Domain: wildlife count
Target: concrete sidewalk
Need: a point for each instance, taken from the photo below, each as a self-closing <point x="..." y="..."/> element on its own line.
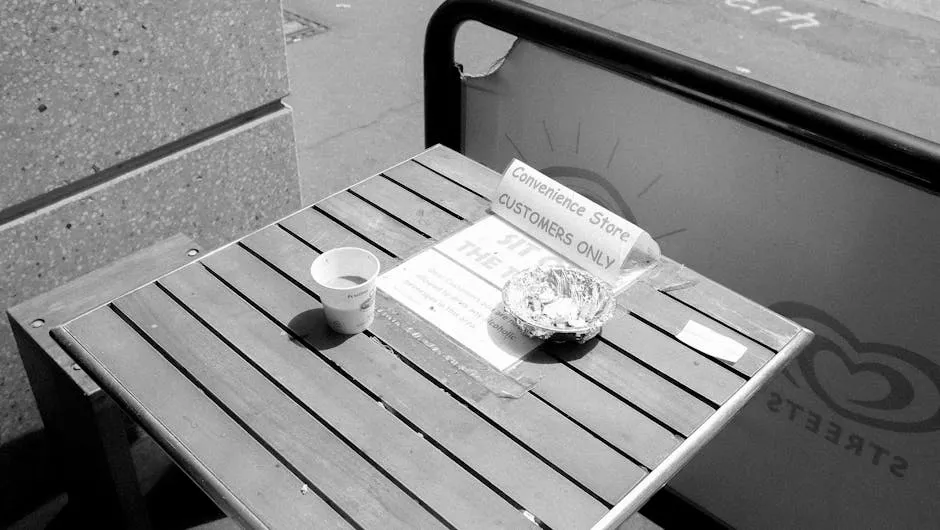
<point x="357" y="88"/>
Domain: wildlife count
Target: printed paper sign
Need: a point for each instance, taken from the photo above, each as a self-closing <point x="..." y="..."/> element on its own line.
<point x="460" y="303"/>
<point x="456" y="286"/>
<point x="495" y="250"/>
<point x="574" y="226"/>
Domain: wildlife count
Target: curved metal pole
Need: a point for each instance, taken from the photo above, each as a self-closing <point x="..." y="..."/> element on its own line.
<point x="900" y="155"/>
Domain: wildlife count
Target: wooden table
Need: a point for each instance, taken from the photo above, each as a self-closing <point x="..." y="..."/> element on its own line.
<point x="228" y="363"/>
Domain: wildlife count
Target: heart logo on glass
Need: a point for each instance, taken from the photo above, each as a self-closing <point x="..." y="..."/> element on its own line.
<point x="876" y="384"/>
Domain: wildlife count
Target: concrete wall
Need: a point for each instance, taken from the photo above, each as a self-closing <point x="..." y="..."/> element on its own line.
<point x="121" y="123"/>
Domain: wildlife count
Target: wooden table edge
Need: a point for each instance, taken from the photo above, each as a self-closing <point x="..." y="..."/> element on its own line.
<point x="658" y="477"/>
<point x="192" y="466"/>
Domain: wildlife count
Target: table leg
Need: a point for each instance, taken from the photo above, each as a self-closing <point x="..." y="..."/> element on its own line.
<point x="88" y="440"/>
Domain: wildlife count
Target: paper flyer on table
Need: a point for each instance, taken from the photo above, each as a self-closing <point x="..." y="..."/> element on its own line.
<point x="460" y="303"/>
<point x="456" y="284"/>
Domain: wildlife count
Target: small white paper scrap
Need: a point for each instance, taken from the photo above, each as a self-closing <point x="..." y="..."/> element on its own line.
<point x="711" y="342"/>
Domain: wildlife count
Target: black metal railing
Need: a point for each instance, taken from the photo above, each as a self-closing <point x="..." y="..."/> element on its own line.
<point x="895" y="153"/>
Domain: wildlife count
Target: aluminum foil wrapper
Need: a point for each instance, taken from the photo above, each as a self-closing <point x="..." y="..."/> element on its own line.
<point x="558" y="303"/>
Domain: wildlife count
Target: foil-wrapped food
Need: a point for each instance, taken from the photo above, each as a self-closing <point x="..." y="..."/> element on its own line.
<point x="558" y="303"/>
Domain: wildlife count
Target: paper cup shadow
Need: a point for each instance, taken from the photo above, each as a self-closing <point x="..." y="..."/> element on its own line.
<point x="312" y="327"/>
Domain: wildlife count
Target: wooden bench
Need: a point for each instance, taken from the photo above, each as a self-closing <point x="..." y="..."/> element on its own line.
<point x="86" y="429"/>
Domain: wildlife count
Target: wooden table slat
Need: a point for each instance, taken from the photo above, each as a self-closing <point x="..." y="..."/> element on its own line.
<point x="478" y="444"/>
<point x="324" y="233"/>
<point x="446" y="193"/>
<point x="671" y="316"/>
<point x="269" y="491"/>
<point x="672" y="358"/>
<point x="600" y="411"/>
<point x="638" y="385"/>
<point x="462" y="170"/>
<point x="596" y="465"/>
<point x="393" y="235"/>
<point x="534" y="422"/>
<point x="442" y="484"/>
<point x="362" y="493"/>
<point x="417" y="212"/>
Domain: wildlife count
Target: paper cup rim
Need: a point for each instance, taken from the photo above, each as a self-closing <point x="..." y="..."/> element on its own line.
<point x="375" y="261"/>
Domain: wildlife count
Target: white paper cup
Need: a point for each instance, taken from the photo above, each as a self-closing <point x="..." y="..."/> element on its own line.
<point x="346" y="280"/>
